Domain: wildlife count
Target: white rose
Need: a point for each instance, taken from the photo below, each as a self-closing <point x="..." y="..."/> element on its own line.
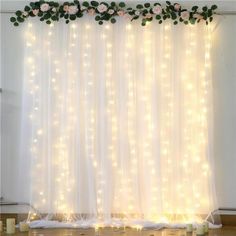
<point x="102" y="8"/>
<point x="25" y="13"/>
<point x="111" y="11"/>
<point x="157" y="10"/>
<point x="54" y="9"/>
<point x="72" y="10"/>
<point x="44" y="7"/>
<point x="185" y="15"/>
<point x="137" y="13"/>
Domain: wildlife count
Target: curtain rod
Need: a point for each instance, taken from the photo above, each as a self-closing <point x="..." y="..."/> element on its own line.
<point x="227" y="13"/>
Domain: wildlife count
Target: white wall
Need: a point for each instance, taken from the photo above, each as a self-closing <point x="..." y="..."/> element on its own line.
<point x="224" y="82"/>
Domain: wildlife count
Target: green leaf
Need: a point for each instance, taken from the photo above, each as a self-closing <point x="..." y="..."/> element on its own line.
<point x="121" y="4"/>
<point x="18" y="13"/>
<point x="67" y="21"/>
<point x="56" y="4"/>
<point x="16" y="24"/>
<point x="192" y="21"/>
<point x="168" y="3"/>
<point x="27" y="8"/>
<point x="79" y="14"/>
<point x="12" y="19"/>
<point x="147" y="5"/>
<point x="47" y="16"/>
<point x="85" y="4"/>
<point x="135" y="18"/>
<point x="100" y="22"/>
<point x="160" y="21"/>
<point x="175" y="22"/>
<point x="72" y="17"/>
<point x="113" y="4"/>
<point x="48" y="22"/>
<point x="32" y="4"/>
<point x="97" y="18"/>
<point x="40" y="14"/>
<point x="214" y="7"/>
<point x="173" y="16"/>
<point x="211" y="19"/>
<point x="113" y="20"/>
<point x="94" y="3"/>
<point x="204" y="8"/>
<point x="158" y="17"/>
<point x="139" y="6"/>
<point x="54" y="18"/>
<point x="20" y="19"/>
<point x="194" y="8"/>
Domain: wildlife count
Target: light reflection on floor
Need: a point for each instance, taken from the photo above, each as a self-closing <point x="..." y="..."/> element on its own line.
<point x="226" y="231"/>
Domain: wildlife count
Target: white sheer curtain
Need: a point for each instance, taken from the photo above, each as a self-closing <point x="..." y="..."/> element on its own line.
<point x="117" y="121"/>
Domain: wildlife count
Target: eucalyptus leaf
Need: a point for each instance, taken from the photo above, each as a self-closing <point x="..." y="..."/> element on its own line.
<point x="20" y="19"/>
<point x="18" y="13"/>
<point x="27" y="8"/>
<point x="194" y="8"/>
<point x="214" y="7"/>
<point x="139" y="6"/>
<point x="72" y="17"/>
<point x="85" y="4"/>
<point x="122" y="4"/>
<point x="94" y="3"/>
<point x="12" y="19"/>
<point x="113" y="20"/>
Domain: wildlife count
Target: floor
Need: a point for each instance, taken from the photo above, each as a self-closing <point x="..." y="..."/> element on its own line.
<point x="225" y="231"/>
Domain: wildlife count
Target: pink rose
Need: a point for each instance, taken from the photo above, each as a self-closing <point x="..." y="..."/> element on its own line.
<point x="157" y="10"/>
<point x="185" y="15"/>
<point x="197" y="16"/>
<point x="35" y="12"/>
<point x="44" y="7"/>
<point x="102" y="8"/>
<point x="111" y="11"/>
<point x="73" y="10"/>
<point x="91" y="12"/>
<point x="66" y="8"/>
<point x="177" y="6"/>
<point x="121" y="13"/>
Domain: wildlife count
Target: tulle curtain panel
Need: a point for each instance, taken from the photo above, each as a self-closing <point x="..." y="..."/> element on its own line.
<point x="117" y="122"/>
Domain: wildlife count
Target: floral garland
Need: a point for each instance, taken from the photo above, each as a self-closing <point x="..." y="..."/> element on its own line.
<point x="50" y="11"/>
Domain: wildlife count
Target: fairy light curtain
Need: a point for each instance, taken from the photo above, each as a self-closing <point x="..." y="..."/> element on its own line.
<point x="117" y="121"/>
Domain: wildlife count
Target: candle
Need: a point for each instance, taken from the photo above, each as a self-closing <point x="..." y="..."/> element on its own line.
<point x="200" y="230"/>
<point x="11" y="225"/>
<point x="206" y="227"/>
<point x="0" y="226"/>
<point x="24" y="227"/>
<point x="189" y="228"/>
